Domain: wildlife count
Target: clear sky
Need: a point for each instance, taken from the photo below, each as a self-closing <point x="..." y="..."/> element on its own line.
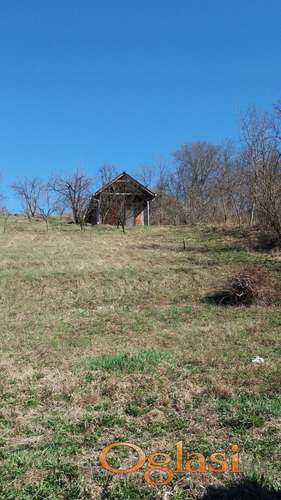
<point x="127" y="81"/>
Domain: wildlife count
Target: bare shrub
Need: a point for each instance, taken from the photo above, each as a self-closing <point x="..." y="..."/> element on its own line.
<point x="251" y="285"/>
<point x="74" y="191"/>
<point x="28" y="192"/>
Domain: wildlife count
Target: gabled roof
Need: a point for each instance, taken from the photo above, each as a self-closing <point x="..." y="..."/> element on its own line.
<point x="150" y="194"/>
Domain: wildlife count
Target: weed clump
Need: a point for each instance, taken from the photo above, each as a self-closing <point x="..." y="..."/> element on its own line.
<point x="250" y="285"/>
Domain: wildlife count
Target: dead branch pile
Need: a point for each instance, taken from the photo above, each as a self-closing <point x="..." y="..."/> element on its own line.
<point x="251" y="285"/>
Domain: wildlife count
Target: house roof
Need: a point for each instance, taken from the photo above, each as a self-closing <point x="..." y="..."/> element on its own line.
<point x="150" y="194"/>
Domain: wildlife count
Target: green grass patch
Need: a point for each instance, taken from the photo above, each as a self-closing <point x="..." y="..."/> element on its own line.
<point x="248" y="411"/>
<point x="128" y="362"/>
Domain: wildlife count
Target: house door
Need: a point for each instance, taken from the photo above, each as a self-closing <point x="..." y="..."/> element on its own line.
<point x="138" y="217"/>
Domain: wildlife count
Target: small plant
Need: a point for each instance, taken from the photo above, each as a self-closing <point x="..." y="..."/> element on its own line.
<point x="251" y="285"/>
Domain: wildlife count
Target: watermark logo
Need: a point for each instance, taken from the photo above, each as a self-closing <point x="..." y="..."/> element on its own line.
<point x="162" y="463"/>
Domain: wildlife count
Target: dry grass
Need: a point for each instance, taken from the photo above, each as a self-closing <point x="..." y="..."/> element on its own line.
<point x="106" y="337"/>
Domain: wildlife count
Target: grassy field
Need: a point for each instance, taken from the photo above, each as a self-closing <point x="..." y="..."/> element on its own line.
<point x="108" y="337"/>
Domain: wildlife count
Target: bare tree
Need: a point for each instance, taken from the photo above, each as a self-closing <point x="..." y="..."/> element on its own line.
<point x="261" y="159"/>
<point x="197" y="166"/>
<point x="5" y="214"/>
<point x="106" y="173"/>
<point x="113" y="204"/>
<point x="277" y="107"/>
<point x="75" y="192"/>
<point x="228" y="189"/>
<point x="48" y="203"/>
<point x="28" y="191"/>
<point x="145" y="174"/>
<point x="164" y="208"/>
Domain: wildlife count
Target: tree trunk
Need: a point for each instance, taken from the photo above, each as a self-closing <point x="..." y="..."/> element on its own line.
<point x="252" y="214"/>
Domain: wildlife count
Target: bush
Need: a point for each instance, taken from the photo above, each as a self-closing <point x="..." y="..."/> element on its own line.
<point x="251" y="285"/>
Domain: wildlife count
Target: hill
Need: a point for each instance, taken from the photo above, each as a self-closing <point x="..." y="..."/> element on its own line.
<point x="108" y="337"/>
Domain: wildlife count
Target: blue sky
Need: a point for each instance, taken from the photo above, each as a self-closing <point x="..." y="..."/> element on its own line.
<point x="125" y="82"/>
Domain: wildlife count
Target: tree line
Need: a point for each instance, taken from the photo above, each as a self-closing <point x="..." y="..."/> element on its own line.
<point x="236" y="182"/>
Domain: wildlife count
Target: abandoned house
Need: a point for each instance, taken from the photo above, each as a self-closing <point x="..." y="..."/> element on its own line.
<point x="123" y="201"/>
